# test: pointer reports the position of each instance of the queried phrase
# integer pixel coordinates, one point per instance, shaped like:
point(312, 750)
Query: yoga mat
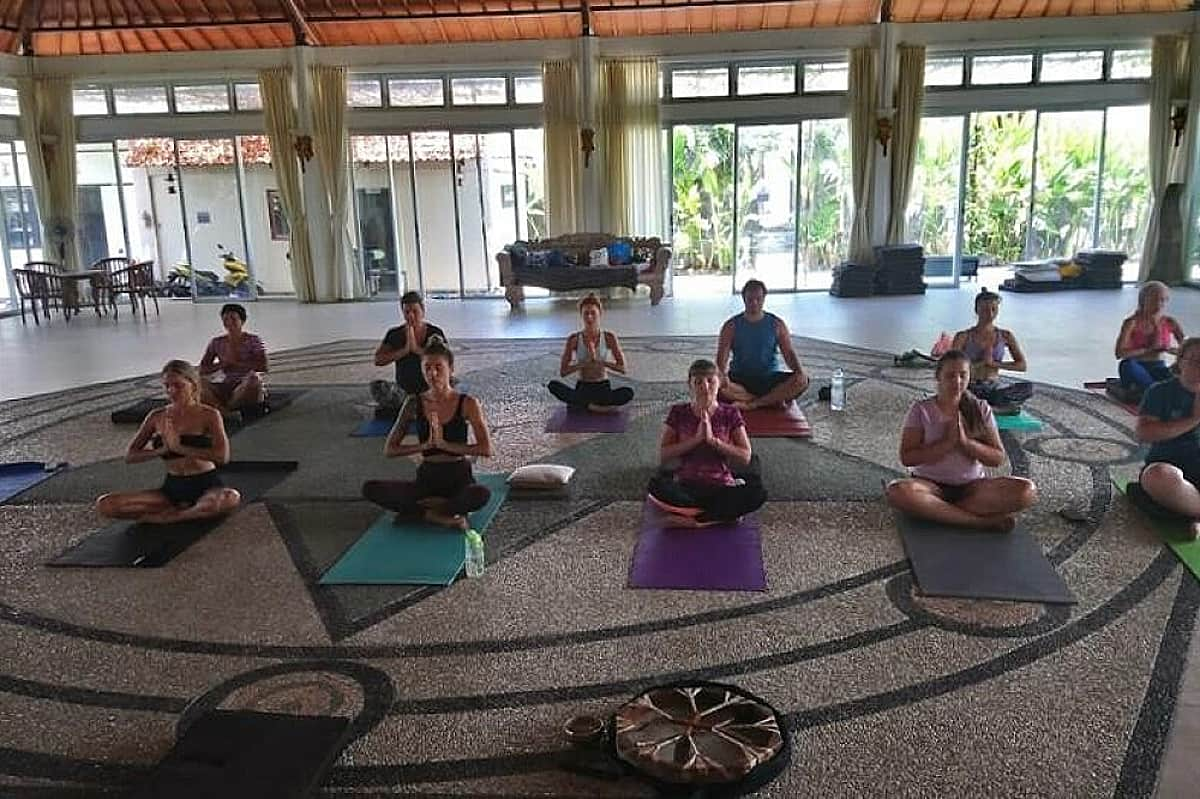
point(1101, 387)
point(720, 558)
point(129, 544)
point(950, 561)
point(786, 422)
point(1017, 421)
point(1170, 526)
point(416, 553)
point(570, 420)
point(135, 413)
point(243, 754)
point(373, 428)
point(16, 477)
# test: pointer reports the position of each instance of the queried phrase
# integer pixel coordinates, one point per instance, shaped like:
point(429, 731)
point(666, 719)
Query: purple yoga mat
point(722, 558)
point(569, 420)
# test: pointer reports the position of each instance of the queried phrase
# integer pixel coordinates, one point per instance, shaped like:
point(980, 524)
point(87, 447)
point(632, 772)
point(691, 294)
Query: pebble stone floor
point(463, 691)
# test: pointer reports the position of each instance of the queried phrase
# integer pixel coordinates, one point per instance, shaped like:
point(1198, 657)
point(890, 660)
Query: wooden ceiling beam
point(302, 32)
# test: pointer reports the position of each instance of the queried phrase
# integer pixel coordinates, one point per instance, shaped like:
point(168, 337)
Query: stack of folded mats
point(853, 280)
point(1101, 268)
point(900, 269)
point(1089, 269)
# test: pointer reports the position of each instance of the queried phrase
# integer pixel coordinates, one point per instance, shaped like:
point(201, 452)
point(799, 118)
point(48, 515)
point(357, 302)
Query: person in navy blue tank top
point(756, 340)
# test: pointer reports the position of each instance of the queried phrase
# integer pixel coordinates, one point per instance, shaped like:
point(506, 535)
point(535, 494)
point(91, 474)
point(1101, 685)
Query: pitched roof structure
point(92, 27)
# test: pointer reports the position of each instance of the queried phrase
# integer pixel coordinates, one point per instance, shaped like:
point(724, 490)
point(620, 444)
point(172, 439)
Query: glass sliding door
point(1125, 185)
point(826, 201)
point(268, 238)
point(999, 176)
point(210, 190)
point(149, 182)
point(375, 233)
point(22, 234)
point(100, 224)
point(766, 204)
point(1064, 195)
point(703, 224)
point(933, 212)
point(436, 213)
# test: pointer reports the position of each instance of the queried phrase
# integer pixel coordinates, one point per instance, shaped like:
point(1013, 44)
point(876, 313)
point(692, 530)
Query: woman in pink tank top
point(1145, 337)
point(947, 441)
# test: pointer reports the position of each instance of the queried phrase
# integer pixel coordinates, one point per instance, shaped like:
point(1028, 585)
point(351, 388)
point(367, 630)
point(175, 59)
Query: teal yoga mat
point(1018, 421)
point(412, 554)
point(1170, 528)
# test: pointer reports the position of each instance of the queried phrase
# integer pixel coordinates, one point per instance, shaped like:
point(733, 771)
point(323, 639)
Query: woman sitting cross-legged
point(1145, 337)
point(986, 346)
point(592, 353)
point(706, 436)
point(444, 491)
point(947, 441)
point(1170, 420)
point(190, 438)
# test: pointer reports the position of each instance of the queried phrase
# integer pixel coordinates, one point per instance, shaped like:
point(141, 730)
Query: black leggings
point(717, 503)
point(994, 393)
point(450, 480)
point(590, 392)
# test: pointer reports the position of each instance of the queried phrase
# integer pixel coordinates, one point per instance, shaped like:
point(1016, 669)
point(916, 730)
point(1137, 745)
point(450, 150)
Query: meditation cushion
point(541, 475)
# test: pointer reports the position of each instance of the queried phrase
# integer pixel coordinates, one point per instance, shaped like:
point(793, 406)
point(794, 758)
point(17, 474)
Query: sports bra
point(454, 431)
point(1140, 339)
point(581, 351)
point(974, 350)
point(189, 440)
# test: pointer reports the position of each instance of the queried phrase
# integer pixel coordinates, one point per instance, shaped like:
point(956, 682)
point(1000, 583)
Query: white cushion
point(541, 475)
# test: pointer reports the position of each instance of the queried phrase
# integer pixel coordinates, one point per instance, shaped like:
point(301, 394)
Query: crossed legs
point(1168, 485)
point(250, 391)
point(153, 506)
point(772, 390)
point(989, 503)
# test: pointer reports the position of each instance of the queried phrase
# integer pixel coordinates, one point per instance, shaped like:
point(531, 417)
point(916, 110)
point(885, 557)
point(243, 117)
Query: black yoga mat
point(950, 561)
point(242, 754)
point(276, 401)
point(129, 544)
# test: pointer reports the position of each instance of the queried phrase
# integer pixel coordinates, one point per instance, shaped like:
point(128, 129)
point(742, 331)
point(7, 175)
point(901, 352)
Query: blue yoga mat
point(373, 428)
point(412, 554)
point(16, 477)
point(1017, 421)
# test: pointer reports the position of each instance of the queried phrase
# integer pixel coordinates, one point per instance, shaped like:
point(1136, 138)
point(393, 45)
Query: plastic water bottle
point(474, 554)
point(837, 391)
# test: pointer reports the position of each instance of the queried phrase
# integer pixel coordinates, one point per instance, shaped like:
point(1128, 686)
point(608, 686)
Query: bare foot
point(161, 517)
point(603, 408)
point(743, 405)
point(1194, 529)
point(673, 510)
point(689, 522)
point(999, 523)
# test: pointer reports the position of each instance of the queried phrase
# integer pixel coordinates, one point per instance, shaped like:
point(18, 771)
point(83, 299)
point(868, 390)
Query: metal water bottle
point(837, 391)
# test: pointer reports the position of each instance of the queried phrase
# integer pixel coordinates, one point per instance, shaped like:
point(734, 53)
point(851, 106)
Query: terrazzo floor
point(462, 691)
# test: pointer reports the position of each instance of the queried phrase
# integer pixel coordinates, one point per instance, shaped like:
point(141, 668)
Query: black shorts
point(1189, 466)
point(187, 489)
point(444, 478)
point(951, 492)
point(760, 385)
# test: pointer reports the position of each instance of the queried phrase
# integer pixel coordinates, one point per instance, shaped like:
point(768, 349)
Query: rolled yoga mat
point(130, 544)
point(725, 557)
point(276, 401)
point(953, 562)
point(243, 754)
point(1102, 387)
point(564, 419)
point(1170, 526)
point(786, 422)
point(415, 553)
point(17, 477)
point(1017, 421)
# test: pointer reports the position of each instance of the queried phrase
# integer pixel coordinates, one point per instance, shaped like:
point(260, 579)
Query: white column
point(588, 212)
point(316, 201)
point(881, 193)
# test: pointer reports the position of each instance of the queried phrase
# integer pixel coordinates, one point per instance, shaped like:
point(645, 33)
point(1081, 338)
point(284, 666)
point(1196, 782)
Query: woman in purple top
point(947, 441)
point(705, 436)
point(241, 359)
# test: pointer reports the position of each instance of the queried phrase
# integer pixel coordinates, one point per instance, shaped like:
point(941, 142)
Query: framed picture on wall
point(276, 216)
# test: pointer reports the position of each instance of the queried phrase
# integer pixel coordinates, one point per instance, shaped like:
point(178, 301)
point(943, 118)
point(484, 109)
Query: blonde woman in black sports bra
point(190, 438)
point(444, 491)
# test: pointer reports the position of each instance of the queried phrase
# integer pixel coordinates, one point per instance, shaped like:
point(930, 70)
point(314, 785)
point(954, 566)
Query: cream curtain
point(48, 127)
point(906, 129)
point(1168, 81)
point(275, 85)
point(630, 148)
point(330, 144)
point(560, 109)
point(862, 155)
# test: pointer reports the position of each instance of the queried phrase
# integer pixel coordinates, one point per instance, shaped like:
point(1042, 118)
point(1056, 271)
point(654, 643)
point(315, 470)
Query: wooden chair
point(39, 283)
point(104, 285)
point(136, 280)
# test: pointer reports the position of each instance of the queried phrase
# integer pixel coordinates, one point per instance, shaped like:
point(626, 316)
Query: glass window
point(1130, 65)
point(89, 101)
point(1081, 65)
point(209, 186)
point(478, 91)
point(1064, 196)
point(1125, 185)
point(826, 204)
point(190, 99)
point(248, 96)
point(435, 186)
point(702, 174)
point(999, 172)
point(767, 79)
point(376, 207)
point(944, 71)
point(932, 216)
point(416, 92)
point(991, 70)
point(266, 223)
point(364, 92)
point(766, 204)
point(9, 106)
point(140, 99)
point(527, 89)
point(99, 226)
point(484, 179)
point(531, 185)
point(827, 77)
point(707, 82)
point(151, 193)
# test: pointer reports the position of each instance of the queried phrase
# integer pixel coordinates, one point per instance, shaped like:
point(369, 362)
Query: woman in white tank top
point(592, 353)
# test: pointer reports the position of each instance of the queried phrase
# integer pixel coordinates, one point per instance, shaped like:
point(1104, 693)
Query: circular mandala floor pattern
point(464, 690)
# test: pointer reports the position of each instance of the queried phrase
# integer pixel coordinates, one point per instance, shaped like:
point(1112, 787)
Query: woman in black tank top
point(190, 439)
point(444, 491)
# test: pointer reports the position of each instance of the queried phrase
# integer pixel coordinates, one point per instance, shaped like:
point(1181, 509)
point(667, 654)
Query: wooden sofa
point(651, 260)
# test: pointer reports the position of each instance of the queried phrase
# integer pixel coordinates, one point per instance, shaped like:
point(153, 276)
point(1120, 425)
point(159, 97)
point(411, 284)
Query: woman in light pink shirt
point(947, 441)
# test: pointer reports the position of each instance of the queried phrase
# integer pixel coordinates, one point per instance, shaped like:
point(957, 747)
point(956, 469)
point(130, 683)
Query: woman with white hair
point(1145, 337)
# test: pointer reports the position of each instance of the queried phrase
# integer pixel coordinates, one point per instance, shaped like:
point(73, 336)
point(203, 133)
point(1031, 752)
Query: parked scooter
point(179, 282)
point(237, 274)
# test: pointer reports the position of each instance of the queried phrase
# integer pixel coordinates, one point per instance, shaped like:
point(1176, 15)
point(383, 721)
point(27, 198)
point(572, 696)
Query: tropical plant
point(702, 187)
